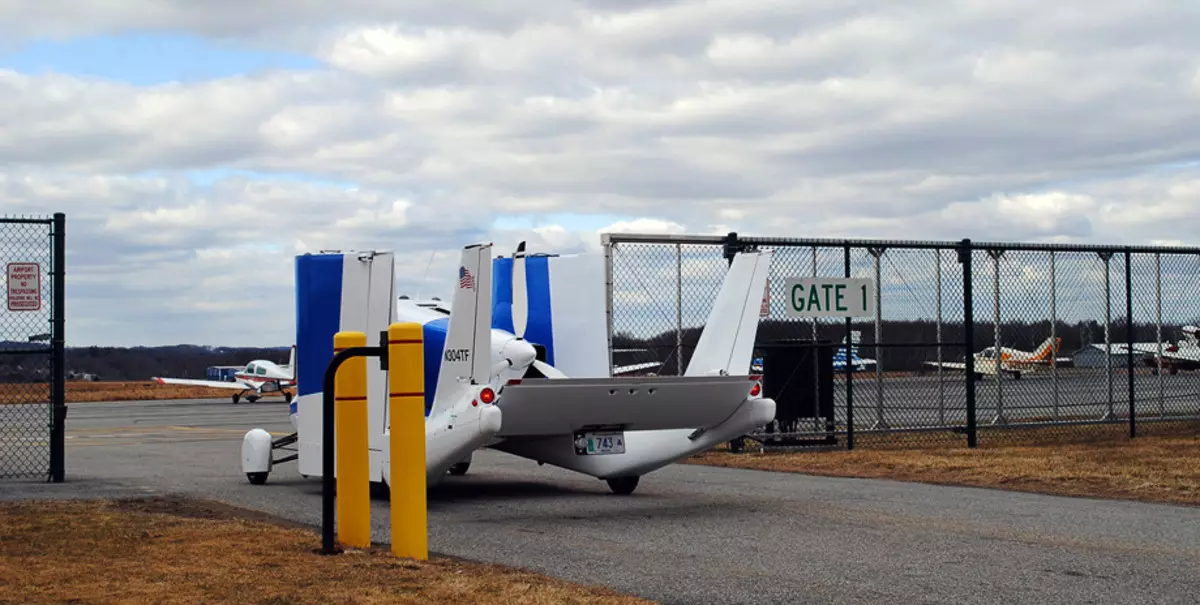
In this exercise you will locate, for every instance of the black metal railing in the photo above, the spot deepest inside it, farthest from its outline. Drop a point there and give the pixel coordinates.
(944, 308)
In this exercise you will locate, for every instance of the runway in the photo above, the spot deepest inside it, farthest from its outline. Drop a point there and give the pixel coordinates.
(690, 534)
(1074, 394)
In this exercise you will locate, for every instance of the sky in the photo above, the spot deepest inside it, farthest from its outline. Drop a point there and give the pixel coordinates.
(197, 147)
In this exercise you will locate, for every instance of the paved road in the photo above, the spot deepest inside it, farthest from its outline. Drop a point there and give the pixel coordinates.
(690, 534)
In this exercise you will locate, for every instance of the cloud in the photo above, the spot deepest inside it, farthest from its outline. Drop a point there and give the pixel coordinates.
(427, 126)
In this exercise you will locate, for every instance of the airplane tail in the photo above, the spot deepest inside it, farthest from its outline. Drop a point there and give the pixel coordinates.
(727, 341)
(1047, 349)
(291, 364)
(337, 292)
(466, 358)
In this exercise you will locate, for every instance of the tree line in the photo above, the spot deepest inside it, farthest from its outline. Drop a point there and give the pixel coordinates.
(131, 363)
(919, 339)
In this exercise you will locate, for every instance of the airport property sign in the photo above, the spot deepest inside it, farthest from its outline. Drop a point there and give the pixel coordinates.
(830, 297)
(24, 286)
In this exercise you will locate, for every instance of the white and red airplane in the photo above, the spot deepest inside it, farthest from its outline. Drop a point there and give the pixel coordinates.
(1010, 361)
(260, 376)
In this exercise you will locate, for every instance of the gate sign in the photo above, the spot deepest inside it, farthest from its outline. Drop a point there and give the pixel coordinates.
(830, 297)
(24, 287)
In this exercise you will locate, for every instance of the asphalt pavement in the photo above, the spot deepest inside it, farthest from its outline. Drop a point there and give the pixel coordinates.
(689, 534)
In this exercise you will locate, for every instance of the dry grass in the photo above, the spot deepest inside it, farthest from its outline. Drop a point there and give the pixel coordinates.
(139, 390)
(1156, 468)
(174, 551)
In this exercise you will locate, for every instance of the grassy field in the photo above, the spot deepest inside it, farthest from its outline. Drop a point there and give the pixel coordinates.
(139, 390)
(1099, 463)
(178, 551)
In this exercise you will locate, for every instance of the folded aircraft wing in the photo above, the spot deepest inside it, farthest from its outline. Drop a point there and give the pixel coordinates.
(219, 384)
(542, 407)
(949, 365)
(635, 367)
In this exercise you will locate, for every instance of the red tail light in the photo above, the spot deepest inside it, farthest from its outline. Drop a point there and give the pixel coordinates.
(755, 390)
(487, 395)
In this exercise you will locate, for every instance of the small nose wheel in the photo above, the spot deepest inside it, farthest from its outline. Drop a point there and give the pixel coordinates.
(623, 485)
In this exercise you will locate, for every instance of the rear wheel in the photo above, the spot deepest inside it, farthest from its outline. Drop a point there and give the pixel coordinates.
(623, 485)
(460, 468)
(257, 478)
(236, 398)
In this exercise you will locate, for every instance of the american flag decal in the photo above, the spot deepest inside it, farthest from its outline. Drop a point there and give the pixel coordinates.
(465, 279)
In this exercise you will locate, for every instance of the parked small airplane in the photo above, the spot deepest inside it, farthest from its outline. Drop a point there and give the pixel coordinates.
(860, 363)
(259, 377)
(839, 357)
(1013, 362)
(1184, 355)
(520, 363)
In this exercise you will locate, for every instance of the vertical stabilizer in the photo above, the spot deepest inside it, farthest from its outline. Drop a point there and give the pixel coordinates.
(727, 341)
(466, 355)
(335, 292)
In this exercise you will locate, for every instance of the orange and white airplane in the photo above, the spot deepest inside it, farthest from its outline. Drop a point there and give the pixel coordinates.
(1013, 362)
(260, 376)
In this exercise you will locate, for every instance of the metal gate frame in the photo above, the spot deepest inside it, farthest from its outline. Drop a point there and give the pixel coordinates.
(56, 427)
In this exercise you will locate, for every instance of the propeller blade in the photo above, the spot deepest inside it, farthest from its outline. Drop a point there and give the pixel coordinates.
(547, 370)
(520, 304)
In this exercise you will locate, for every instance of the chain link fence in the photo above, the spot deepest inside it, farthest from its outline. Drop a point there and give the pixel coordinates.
(32, 388)
(1056, 342)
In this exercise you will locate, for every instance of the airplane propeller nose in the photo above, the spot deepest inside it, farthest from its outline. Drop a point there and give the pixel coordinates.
(520, 354)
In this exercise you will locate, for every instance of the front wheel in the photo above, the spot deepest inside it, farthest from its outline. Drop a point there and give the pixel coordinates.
(257, 478)
(623, 485)
(460, 468)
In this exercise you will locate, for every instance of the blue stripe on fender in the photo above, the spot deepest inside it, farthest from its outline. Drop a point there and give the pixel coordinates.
(434, 334)
(502, 298)
(318, 317)
(539, 328)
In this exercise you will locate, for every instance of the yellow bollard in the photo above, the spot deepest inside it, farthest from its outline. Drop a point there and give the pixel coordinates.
(406, 401)
(352, 444)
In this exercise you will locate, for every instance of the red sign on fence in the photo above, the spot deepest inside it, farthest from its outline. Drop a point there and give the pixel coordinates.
(24, 287)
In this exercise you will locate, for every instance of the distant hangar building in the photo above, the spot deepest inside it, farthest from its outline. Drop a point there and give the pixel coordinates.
(1093, 355)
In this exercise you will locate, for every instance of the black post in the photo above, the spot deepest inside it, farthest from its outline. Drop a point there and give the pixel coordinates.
(1129, 342)
(728, 250)
(849, 365)
(328, 481)
(964, 257)
(58, 389)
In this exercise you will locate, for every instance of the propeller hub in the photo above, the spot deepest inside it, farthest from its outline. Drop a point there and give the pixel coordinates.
(519, 353)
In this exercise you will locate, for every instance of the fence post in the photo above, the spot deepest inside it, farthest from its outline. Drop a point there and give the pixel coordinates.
(58, 394)
(964, 257)
(849, 365)
(1129, 341)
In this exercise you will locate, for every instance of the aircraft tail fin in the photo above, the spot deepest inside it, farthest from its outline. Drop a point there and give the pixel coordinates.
(291, 364)
(727, 341)
(1047, 349)
(466, 356)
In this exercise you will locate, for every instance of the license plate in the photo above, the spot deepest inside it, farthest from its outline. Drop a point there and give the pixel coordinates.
(592, 444)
